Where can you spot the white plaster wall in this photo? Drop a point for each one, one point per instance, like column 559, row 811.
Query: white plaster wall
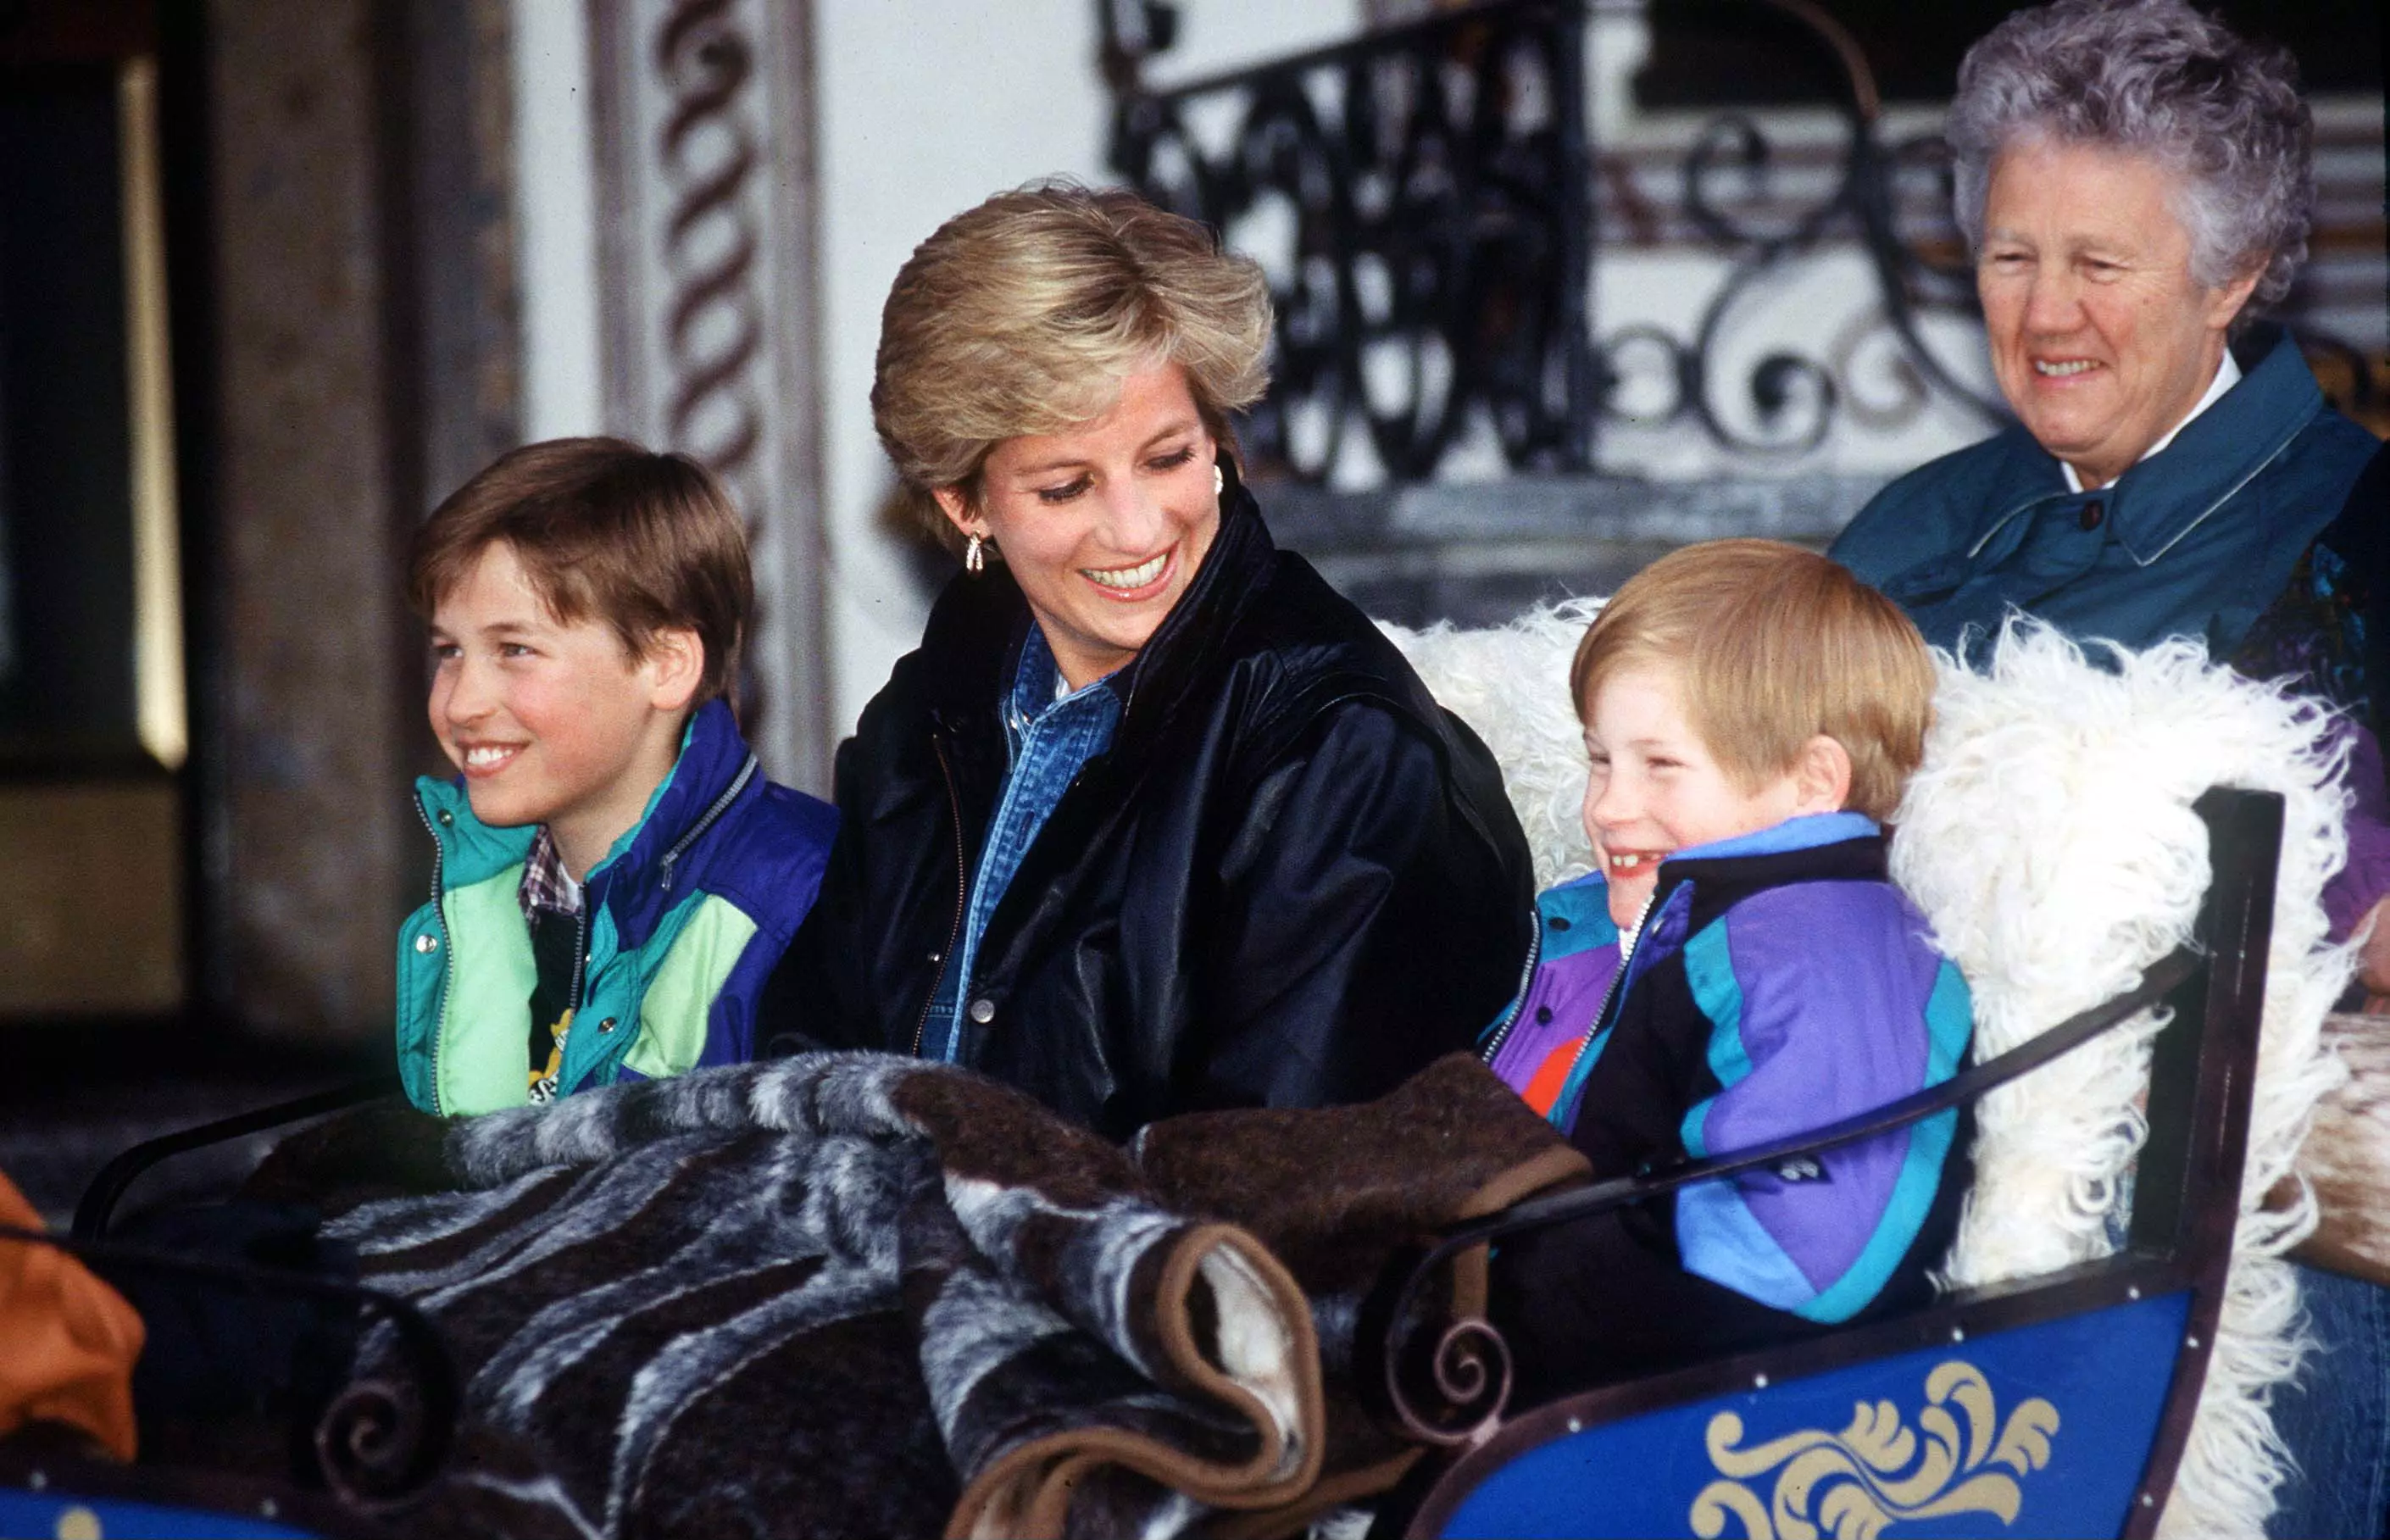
column 555, row 233
column 926, row 108
column 1230, row 35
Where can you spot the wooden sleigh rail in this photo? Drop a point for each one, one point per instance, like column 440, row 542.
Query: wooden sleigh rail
column 1544, row 1470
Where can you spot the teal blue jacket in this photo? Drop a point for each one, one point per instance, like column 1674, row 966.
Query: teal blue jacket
column 2196, row 541
column 681, row 924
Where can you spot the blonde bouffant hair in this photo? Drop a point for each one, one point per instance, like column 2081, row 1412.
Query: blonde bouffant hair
column 1772, row 646
column 1023, row 316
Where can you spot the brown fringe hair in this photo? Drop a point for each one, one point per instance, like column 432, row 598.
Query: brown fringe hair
column 607, row 531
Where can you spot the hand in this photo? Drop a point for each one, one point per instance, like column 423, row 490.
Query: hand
column 2373, row 960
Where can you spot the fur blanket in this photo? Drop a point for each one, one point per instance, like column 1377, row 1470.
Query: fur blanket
column 2051, row 841
column 857, row 1294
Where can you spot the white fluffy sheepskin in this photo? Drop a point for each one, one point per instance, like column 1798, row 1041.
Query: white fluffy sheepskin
column 2049, row 839
column 1510, row 685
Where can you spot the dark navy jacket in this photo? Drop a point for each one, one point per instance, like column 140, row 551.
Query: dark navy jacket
column 1781, row 982
column 1290, row 879
column 2196, row 541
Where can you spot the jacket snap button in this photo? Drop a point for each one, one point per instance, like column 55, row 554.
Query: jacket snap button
column 447, row 818
column 1543, row 1015
column 607, row 1025
column 983, row 1010
column 426, row 944
column 1559, row 922
column 2091, row 515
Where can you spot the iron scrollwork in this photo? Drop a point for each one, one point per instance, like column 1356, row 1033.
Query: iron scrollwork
column 1793, row 395
column 1431, row 187
column 1430, row 183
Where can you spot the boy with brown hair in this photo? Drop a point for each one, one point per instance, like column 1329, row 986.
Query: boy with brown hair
column 614, row 880
column 1738, row 970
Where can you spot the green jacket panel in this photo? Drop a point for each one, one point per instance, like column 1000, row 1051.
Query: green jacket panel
column 672, row 1010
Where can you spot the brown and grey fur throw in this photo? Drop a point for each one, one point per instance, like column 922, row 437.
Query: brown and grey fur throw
column 856, row 1294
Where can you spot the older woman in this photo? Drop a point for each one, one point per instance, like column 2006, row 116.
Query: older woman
column 2136, row 181
column 1153, row 820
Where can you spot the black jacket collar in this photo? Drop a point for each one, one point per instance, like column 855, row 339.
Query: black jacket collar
column 977, row 626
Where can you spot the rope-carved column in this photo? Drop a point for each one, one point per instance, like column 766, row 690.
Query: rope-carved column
column 705, row 215
column 707, row 155
column 712, row 332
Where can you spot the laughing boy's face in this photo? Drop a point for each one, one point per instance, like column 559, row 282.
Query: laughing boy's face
column 1656, row 788
column 552, row 721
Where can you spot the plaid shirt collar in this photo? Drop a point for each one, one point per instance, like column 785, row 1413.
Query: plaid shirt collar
column 546, row 883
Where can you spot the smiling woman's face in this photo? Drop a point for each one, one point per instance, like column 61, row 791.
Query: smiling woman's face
column 1103, row 526
column 2102, row 339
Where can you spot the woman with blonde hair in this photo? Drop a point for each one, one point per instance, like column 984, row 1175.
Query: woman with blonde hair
column 1152, row 820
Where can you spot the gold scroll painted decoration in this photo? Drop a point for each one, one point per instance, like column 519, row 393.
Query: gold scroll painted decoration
column 1878, row 1471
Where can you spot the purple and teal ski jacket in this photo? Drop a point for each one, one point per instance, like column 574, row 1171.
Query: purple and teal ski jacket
column 1779, row 982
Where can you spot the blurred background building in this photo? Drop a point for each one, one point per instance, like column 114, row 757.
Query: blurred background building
column 1562, row 283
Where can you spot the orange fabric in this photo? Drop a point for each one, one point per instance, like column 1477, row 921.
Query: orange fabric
column 66, row 1340
column 1544, row 1087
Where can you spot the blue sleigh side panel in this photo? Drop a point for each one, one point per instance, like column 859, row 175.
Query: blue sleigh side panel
column 2042, row 1429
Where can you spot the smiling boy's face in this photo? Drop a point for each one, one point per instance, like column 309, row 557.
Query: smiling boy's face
column 1656, row 788
column 553, row 722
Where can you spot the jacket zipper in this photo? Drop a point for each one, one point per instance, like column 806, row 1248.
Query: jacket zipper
column 713, row 814
column 962, row 896
column 1502, row 1029
column 1618, row 980
column 1609, row 995
column 721, row 805
column 573, row 996
column 447, row 968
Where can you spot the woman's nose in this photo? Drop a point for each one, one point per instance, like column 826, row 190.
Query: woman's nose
column 2054, row 303
column 1133, row 518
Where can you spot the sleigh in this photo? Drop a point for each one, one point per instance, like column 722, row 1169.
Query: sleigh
column 2090, row 1367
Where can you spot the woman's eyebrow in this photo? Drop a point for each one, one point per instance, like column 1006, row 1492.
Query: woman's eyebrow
column 1044, row 468
column 1080, row 462
column 1173, row 430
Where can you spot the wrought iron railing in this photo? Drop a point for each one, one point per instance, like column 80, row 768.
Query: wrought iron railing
column 1424, row 199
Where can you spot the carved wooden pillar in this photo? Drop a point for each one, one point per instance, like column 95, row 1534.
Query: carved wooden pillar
column 706, row 218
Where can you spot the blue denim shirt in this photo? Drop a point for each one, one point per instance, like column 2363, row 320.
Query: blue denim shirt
column 1048, row 739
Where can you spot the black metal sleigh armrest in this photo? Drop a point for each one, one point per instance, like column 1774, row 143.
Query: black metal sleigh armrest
column 1470, row 1366
column 380, row 1441
column 99, row 1199
column 2188, row 1174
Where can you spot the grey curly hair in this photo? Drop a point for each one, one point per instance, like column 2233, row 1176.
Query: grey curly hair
column 2157, row 78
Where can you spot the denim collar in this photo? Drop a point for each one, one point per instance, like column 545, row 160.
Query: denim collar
column 1038, row 687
